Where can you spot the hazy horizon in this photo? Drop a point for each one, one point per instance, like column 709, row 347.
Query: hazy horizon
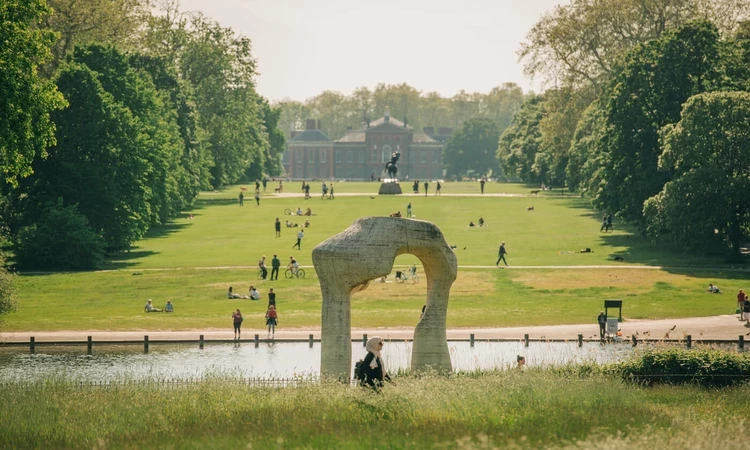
column 306, row 47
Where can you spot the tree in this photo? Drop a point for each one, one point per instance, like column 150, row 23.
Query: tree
column 586, row 158
column 114, row 22
column 25, row 100
column 521, row 141
column 647, row 94
column 61, row 239
column 708, row 151
column 472, row 148
column 579, row 43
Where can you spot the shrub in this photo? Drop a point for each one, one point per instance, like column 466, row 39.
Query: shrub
column 708, row 367
column 62, row 239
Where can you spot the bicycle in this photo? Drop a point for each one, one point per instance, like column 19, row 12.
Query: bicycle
column 410, row 275
column 291, row 274
column 260, row 274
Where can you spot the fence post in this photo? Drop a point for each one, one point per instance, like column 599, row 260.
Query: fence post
column 689, row 341
column 525, row 340
column 32, row 344
column 364, row 340
column 200, row 345
column 580, row 340
column 311, row 341
column 471, row 339
column 145, row 343
column 89, row 345
column 257, row 340
column 742, row 342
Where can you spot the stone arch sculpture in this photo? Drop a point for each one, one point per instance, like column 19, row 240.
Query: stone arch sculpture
column 348, row 261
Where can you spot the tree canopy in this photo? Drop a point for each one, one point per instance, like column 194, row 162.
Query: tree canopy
column 471, row 149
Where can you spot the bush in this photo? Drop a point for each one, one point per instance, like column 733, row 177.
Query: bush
column 709, row 367
column 62, row 239
column 7, row 300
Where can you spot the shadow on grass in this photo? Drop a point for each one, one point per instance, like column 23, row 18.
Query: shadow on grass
column 160, row 231
column 127, row 259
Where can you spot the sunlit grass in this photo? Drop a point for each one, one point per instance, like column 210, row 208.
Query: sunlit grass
column 529, row 409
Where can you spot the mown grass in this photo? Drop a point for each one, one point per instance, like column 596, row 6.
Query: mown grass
column 194, row 261
column 510, row 409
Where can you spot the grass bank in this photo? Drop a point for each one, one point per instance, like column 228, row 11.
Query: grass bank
column 511, row 409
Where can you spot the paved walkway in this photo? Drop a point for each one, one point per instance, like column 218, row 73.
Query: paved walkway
column 726, row 327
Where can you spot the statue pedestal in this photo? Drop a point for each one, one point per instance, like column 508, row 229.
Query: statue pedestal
column 390, row 189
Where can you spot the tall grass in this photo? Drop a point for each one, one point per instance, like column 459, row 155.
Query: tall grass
column 523, row 409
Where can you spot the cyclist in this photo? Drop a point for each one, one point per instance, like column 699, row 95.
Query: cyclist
column 294, row 265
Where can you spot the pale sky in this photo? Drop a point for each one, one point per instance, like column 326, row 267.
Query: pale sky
column 304, row 47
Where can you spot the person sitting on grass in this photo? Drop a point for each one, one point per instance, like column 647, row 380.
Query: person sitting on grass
column 169, row 307
column 254, row 294
column 713, row 289
column 521, row 361
column 299, row 211
column 307, row 223
column 308, row 212
column 480, row 222
column 471, row 224
column 232, row 294
column 150, row 307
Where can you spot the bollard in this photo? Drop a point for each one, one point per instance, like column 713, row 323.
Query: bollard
column 257, row 340
column 580, row 340
column 32, row 344
column 364, row 340
column 311, row 341
column 200, row 344
column 525, row 340
column 471, row 339
column 689, row 341
column 145, row 344
column 89, row 345
column 742, row 342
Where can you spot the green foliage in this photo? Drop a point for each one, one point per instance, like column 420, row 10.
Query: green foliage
column 7, row 288
column 707, row 202
column 61, row 239
column 26, row 100
column 471, row 149
column 586, row 159
column 520, row 143
column 647, row 94
column 707, row 367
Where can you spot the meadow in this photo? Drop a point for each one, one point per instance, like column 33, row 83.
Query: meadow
column 194, row 260
column 507, row 409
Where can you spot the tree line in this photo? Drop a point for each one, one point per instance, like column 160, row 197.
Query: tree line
column 113, row 117
column 648, row 115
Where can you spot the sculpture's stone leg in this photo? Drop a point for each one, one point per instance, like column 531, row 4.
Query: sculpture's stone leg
column 430, row 348
column 336, row 332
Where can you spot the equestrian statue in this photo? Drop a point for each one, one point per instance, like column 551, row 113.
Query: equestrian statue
column 390, row 166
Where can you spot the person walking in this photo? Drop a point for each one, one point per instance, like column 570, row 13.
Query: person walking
column 237, row 321
column 242, row 199
column 275, row 264
column 437, row 188
column 300, row 235
column 408, row 210
column 257, row 199
column 277, row 227
column 265, row 182
column 741, row 296
column 501, row 254
column 272, row 319
column 602, row 321
column 262, row 267
column 307, row 191
column 330, row 192
column 324, row 188
column 426, row 185
column 481, row 185
column 604, row 223
column 271, row 298
column 373, row 364
column 609, row 223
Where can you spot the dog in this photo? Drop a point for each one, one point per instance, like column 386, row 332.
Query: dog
column 535, row 192
column 530, row 208
column 277, row 190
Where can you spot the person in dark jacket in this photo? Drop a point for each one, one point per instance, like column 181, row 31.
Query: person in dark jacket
column 374, row 367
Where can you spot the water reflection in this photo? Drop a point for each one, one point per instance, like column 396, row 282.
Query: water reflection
column 279, row 360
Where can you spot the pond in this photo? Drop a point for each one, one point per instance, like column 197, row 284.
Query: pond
column 270, row 360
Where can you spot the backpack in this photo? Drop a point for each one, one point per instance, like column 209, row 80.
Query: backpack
column 359, row 371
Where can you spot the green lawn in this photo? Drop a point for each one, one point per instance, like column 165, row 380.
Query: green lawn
column 194, row 261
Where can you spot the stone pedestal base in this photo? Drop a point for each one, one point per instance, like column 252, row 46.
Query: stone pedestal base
column 390, row 189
